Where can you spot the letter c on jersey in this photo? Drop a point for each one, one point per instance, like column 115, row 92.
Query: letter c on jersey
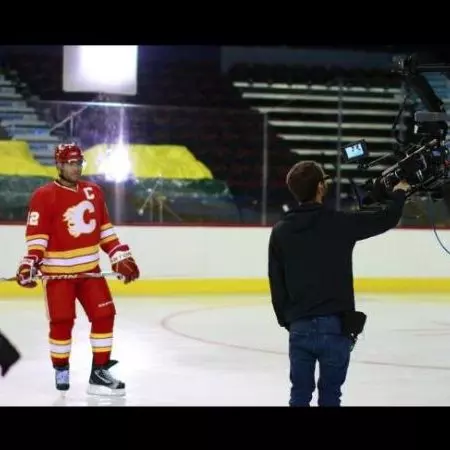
column 76, row 223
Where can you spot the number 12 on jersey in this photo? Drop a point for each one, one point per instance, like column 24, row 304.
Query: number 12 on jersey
column 33, row 218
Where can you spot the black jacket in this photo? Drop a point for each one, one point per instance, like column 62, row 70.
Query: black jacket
column 310, row 257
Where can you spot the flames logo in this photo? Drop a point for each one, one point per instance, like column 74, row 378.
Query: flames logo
column 74, row 217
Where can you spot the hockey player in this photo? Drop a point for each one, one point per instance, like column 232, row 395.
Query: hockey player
column 68, row 223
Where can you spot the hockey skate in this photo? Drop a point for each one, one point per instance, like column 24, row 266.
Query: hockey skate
column 101, row 382
column 62, row 378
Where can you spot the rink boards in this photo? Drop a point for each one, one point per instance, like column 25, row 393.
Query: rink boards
column 224, row 260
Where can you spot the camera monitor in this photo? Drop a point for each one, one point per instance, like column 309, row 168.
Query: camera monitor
column 355, row 151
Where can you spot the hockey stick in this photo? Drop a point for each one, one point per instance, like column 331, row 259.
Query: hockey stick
column 74, row 276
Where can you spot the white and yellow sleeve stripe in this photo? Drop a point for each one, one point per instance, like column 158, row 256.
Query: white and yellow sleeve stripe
column 37, row 242
column 71, row 261
column 107, row 233
column 101, row 342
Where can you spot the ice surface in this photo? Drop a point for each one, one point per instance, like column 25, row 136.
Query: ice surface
column 214, row 351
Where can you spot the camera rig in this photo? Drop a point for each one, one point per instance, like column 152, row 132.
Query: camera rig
column 424, row 162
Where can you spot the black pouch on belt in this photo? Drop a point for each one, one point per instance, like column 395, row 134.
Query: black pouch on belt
column 352, row 323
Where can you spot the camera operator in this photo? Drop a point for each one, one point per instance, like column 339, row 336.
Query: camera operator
column 311, row 281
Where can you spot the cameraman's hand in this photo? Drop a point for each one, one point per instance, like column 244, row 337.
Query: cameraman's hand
column 402, row 185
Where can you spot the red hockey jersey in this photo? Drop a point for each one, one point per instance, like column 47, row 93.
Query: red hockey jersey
column 67, row 227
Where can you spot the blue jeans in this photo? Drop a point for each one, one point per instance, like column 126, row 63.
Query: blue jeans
column 312, row 340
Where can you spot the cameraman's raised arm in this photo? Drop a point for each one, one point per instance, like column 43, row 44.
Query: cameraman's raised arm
column 363, row 225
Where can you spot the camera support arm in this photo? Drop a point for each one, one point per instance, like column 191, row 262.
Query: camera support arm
column 411, row 71
column 425, row 92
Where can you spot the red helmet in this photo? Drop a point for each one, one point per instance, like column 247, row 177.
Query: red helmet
column 65, row 153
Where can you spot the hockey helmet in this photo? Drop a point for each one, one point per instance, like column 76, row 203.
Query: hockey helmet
column 65, row 153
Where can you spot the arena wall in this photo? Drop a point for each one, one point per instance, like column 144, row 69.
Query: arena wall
column 193, row 260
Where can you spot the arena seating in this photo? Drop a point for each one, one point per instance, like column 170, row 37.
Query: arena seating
column 305, row 105
column 18, row 119
column 156, row 191
column 192, row 104
column 195, row 84
column 219, row 117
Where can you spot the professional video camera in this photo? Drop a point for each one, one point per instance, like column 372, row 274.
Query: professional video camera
column 424, row 163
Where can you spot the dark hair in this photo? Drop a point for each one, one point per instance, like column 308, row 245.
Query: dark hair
column 302, row 180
